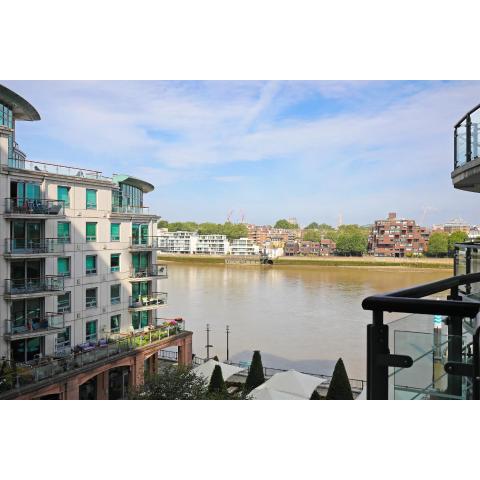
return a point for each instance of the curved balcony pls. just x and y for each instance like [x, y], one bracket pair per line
[156, 270]
[36, 287]
[49, 323]
[34, 208]
[466, 173]
[151, 301]
[21, 247]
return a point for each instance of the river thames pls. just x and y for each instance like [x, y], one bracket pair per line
[298, 317]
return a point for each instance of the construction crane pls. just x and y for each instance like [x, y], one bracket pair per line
[242, 216]
[229, 216]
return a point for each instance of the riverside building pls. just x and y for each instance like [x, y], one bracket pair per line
[81, 293]
[433, 351]
[244, 246]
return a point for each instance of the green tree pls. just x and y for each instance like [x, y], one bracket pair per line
[234, 230]
[312, 235]
[351, 240]
[315, 395]
[173, 382]
[282, 223]
[162, 224]
[255, 375]
[438, 244]
[182, 227]
[456, 237]
[217, 384]
[339, 388]
[312, 226]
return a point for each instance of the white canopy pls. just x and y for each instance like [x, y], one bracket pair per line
[293, 382]
[205, 370]
[271, 394]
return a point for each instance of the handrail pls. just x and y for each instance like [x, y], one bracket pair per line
[474, 109]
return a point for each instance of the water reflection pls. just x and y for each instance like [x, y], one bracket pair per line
[295, 315]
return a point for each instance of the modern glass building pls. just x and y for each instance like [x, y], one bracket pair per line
[81, 295]
[431, 350]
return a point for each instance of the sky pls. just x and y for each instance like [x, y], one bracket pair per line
[263, 149]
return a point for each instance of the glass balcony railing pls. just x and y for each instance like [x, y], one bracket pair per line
[16, 375]
[467, 138]
[22, 246]
[130, 209]
[144, 242]
[38, 206]
[22, 286]
[47, 323]
[148, 300]
[156, 270]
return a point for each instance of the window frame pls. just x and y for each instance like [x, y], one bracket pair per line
[69, 272]
[90, 238]
[118, 327]
[65, 309]
[91, 337]
[90, 206]
[114, 268]
[92, 303]
[67, 201]
[116, 238]
[116, 300]
[63, 238]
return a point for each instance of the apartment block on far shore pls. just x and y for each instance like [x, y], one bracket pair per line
[322, 248]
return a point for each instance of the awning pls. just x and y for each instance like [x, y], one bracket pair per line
[206, 369]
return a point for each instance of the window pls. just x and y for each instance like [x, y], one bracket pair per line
[63, 232]
[115, 294]
[114, 232]
[26, 350]
[91, 298]
[91, 199]
[91, 265]
[115, 262]
[91, 331]
[91, 231]
[63, 303]
[63, 340]
[115, 324]
[139, 320]
[63, 194]
[63, 266]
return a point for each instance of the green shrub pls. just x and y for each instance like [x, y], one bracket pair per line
[339, 388]
[255, 374]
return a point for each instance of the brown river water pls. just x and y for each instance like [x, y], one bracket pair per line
[300, 317]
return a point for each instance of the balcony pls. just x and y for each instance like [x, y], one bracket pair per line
[38, 287]
[49, 323]
[130, 209]
[33, 208]
[150, 301]
[156, 270]
[435, 349]
[466, 167]
[20, 247]
[144, 243]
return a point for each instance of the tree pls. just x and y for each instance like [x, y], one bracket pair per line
[339, 388]
[255, 375]
[217, 384]
[312, 235]
[312, 226]
[182, 227]
[234, 230]
[351, 240]
[173, 382]
[162, 224]
[438, 244]
[315, 395]
[282, 223]
[456, 237]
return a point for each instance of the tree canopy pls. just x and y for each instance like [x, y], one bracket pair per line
[438, 244]
[283, 223]
[351, 240]
[231, 230]
[456, 237]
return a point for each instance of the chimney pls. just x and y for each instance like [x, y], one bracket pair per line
[392, 215]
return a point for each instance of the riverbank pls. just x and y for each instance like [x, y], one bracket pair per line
[421, 263]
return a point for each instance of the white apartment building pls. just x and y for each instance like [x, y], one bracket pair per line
[177, 242]
[78, 262]
[212, 244]
[244, 246]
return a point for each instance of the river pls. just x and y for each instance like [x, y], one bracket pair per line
[298, 317]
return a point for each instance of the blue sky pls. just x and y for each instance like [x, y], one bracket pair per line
[310, 150]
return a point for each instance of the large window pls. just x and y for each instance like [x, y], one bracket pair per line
[63, 232]
[139, 290]
[139, 320]
[115, 294]
[140, 233]
[6, 117]
[91, 298]
[63, 194]
[114, 232]
[140, 261]
[63, 266]
[115, 262]
[27, 315]
[91, 331]
[63, 303]
[91, 199]
[115, 324]
[91, 265]
[26, 350]
[63, 340]
[91, 231]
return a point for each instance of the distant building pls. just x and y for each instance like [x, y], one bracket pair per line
[244, 246]
[212, 244]
[262, 234]
[305, 247]
[455, 225]
[177, 242]
[396, 237]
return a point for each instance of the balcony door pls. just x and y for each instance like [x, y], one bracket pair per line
[27, 315]
[139, 290]
[140, 233]
[27, 350]
[26, 235]
[26, 275]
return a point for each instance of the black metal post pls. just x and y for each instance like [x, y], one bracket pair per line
[227, 331]
[377, 345]
[476, 366]
[208, 346]
[468, 135]
[455, 345]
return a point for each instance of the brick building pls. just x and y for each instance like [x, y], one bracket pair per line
[261, 234]
[305, 247]
[397, 237]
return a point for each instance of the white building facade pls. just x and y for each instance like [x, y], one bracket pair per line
[244, 246]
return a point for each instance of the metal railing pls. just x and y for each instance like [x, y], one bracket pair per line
[47, 283]
[21, 246]
[156, 270]
[19, 161]
[50, 321]
[38, 206]
[148, 300]
[130, 209]
[450, 312]
[144, 242]
[16, 375]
